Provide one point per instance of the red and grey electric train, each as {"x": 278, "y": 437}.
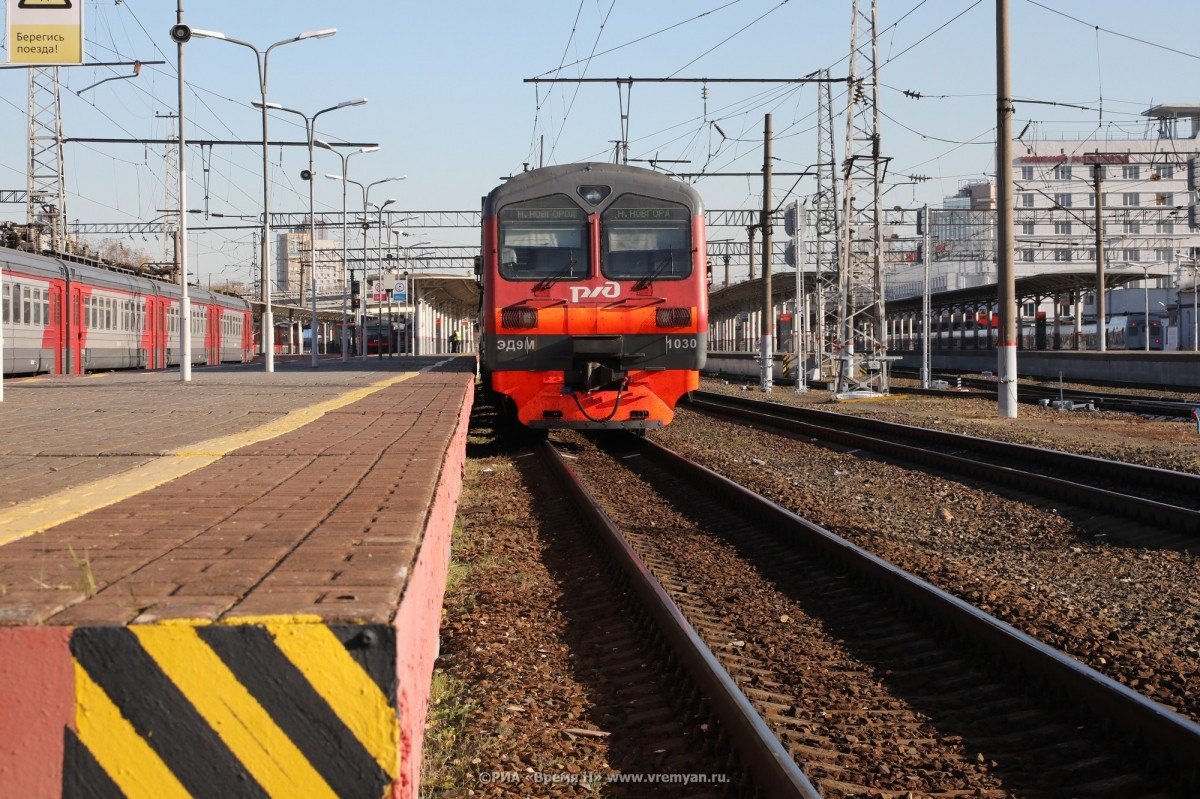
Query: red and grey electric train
{"x": 595, "y": 295}
{"x": 65, "y": 316}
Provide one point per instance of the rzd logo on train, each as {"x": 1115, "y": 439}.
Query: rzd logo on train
{"x": 609, "y": 291}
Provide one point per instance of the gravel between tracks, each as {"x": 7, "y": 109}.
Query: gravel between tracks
{"x": 1128, "y": 437}
{"x": 524, "y": 647}
{"x": 1131, "y": 613}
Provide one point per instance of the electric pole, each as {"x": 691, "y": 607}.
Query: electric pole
{"x": 767, "y": 323}
{"x": 1101, "y": 309}
{"x": 1006, "y": 368}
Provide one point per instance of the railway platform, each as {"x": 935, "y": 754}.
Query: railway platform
{"x": 227, "y": 588}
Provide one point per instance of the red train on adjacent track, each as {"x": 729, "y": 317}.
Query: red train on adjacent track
{"x": 68, "y": 315}
{"x": 595, "y": 295}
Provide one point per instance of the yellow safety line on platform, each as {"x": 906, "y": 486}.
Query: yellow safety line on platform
{"x": 232, "y": 712}
{"x": 121, "y": 752}
{"x": 29, "y": 518}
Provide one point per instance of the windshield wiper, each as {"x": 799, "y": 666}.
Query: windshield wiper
{"x": 548, "y": 281}
{"x": 645, "y": 282}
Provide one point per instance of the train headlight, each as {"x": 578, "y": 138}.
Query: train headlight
{"x": 593, "y": 195}
{"x": 518, "y": 318}
{"x": 673, "y": 317}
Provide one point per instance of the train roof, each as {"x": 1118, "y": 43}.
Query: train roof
{"x": 50, "y": 266}
{"x": 566, "y": 177}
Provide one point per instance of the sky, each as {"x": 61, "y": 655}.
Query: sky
{"x": 450, "y": 109}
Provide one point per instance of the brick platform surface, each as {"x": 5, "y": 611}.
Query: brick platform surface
{"x": 323, "y": 520}
{"x": 62, "y": 432}
{"x": 264, "y": 625}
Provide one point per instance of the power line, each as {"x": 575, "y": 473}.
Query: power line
{"x": 1113, "y": 32}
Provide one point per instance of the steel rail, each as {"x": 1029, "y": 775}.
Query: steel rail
{"x": 1105, "y": 401}
{"x": 772, "y": 768}
{"x": 1157, "y": 727}
{"x": 881, "y": 436}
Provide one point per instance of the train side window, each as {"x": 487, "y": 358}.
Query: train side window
{"x": 543, "y": 239}
{"x": 26, "y": 305}
{"x": 7, "y": 302}
{"x": 36, "y": 301}
{"x": 646, "y": 238}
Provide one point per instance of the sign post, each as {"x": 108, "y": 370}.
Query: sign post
{"x": 48, "y": 32}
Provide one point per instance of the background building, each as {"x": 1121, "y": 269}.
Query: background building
{"x": 292, "y": 251}
{"x": 1145, "y": 199}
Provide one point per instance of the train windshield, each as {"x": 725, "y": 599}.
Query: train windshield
{"x": 646, "y": 239}
{"x": 543, "y": 239}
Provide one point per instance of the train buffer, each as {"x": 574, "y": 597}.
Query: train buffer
{"x": 226, "y": 588}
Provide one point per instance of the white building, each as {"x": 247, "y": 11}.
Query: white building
{"x": 1143, "y": 190}
{"x": 292, "y": 252}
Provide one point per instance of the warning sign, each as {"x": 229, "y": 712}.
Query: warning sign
{"x": 45, "y": 31}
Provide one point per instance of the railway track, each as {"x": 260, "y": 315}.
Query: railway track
{"x": 1034, "y": 393}
{"x": 645, "y": 639}
{"x": 877, "y": 683}
{"x": 1164, "y": 504}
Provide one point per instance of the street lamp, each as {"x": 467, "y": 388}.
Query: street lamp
{"x": 1194, "y": 266}
{"x": 261, "y": 58}
{"x": 1146, "y": 295}
{"x": 366, "y": 193}
{"x": 310, "y": 126}
{"x": 410, "y": 288}
{"x": 345, "y": 240}
{"x": 379, "y": 267}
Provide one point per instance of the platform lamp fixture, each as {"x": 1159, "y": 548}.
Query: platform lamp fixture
{"x": 345, "y": 240}
{"x": 310, "y": 126}
{"x": 262, "y": 58}
{"x": 366, "y": 224}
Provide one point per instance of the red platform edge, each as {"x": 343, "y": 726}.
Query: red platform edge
{"x": 37, "y": 679}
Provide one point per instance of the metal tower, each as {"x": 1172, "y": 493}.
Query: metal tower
{"x": 825, "y": 217}
{"x": 170, "y": 220}
{"x": 47, "y": 203}
{"x": 861, "y": 343}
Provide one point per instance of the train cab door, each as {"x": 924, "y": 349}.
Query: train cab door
{"x": 55, "y": 336}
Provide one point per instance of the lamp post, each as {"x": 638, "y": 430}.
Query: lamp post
{"x": 185, "y": 300}
{"x": 1194, "y": 266}
{"x": 379, "y": 269}
{"x": 366, "y": 224}
{"x": 1146, "y": 297}
{"x": 262, "y": 58}
{"x": 412, "y": 292}
{"x": 345, "y": 239}
{"x": 310, "y": 126}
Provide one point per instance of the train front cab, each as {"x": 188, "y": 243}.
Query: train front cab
{"x": 595, "y": 318}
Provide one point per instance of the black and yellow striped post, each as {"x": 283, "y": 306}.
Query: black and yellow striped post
{"x": 272, "y": 707}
